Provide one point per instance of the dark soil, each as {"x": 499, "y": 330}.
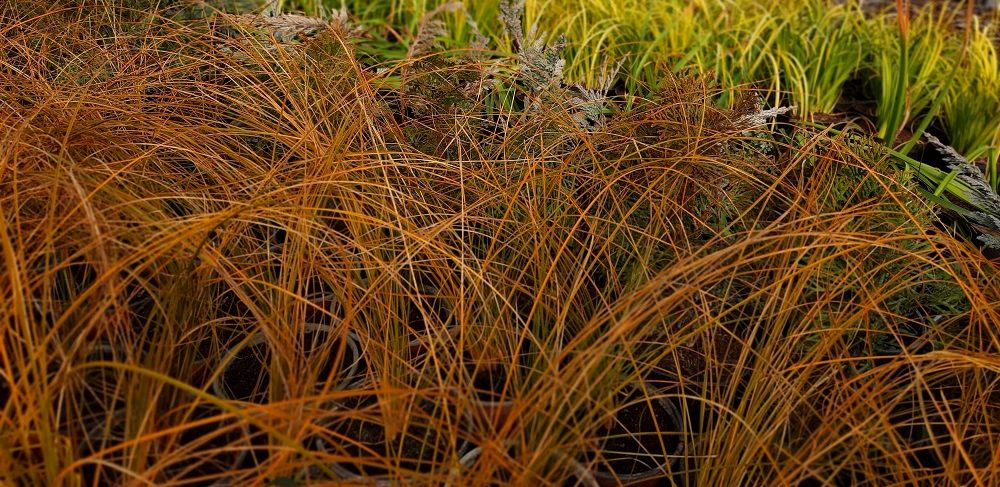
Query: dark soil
{"x": 351, "y": 362}
{"x": 208, "y": 452}
{"x": 489, "y": 384}
{"x": 429, "y": 304}
{"x": 640, "y": 439}
{"x": 210, "y": 446}
{"x": 493, "y": 381}
{"x": 4, "y": 392}
{"x": 246, "y": 378}
{"x": 418, "y": 449}
{"x": 101, "y": 390}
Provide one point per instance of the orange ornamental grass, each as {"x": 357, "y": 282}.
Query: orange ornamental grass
{"x": 227, "y": 261}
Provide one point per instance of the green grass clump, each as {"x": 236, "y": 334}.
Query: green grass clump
{"x": 971, "y": 109}
{"x": 806, "y": 51}
{"x": 819, "y": 48}
{"x": 183, "y": 199}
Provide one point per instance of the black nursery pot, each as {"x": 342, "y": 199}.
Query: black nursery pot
{"x": 495, "y": 387}
{"x": 215, "y": 451}
{"x": 491, "y": 404}
{"x": 247, "y": 377}
{"x": 577, "y": 475}
{"x": 103, "y": 391}
{"x": 420, "y": 331}
{"x": 641, "y": 443}
{"x": 419, "y": 449}
{"x": 207, "y": 455}
{"x": 102, "y": 435}
{"x": 97, "y": 422}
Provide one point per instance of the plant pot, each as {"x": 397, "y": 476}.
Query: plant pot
{"x": 496, "y": 384}
{"x": 641, "y": 442}
{"x": 419, "y": 449}
{"x": 102, "y": 437}
{"x": 352, "y": 367}
{"x": 247, "y": 377}
{"x": 420, "y": 332}
{"x": 494, "y": 391}
{"x": 580, "y": 476}
{"x": 715, "y": 351}
{"x": 491, "y": 404}
{"x": 103, "y": 387}
{"x": 213, "y": 451}
{"x": 417, "y": 330}
{"x": 206, "y": 456}
{"x": 99, "y": 397}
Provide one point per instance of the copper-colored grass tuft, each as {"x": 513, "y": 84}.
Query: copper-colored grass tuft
{"x": 176, "y": 203}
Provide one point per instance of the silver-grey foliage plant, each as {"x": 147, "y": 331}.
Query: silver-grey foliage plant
{"x": 981, "y": 195}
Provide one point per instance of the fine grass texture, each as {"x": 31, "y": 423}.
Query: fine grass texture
{"x": 455, "y": 269}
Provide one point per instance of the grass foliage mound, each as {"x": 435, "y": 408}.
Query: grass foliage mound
{"x": 229, "y": 260}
